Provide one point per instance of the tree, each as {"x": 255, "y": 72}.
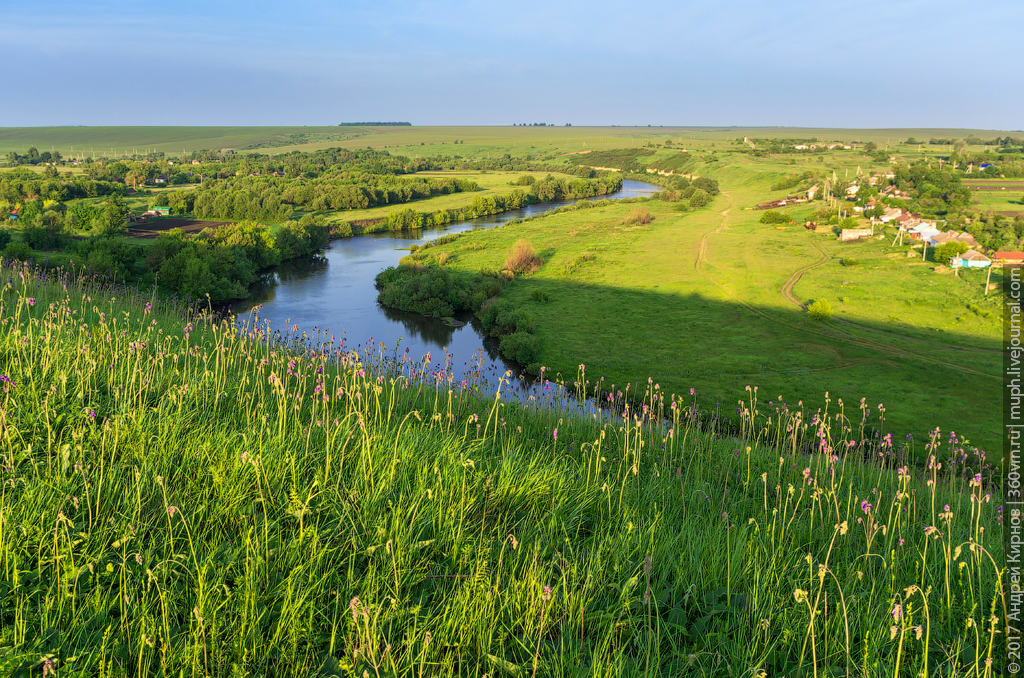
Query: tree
{"x": 114, "y": 216}
{"x": 948, "y": 250}
{"x": 870, "y": 147}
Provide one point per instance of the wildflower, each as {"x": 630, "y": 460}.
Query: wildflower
{"x": 893, "y": 630}
{"x": 31, "y": 301}
{"x": 865, "y": 506}
{"x": 546, "y": 594}
{"x": 555, "y": 434}
{"x": 897, "y": 612}
{"x": 171, "y": 510}
{"x": 918, "y": 630}
{"x": 902, "y": 541}
{"x": 800, "y": 595}
{"x": 354, "y": 606}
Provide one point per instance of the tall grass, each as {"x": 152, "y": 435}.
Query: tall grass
{"x": 181, "y": 496}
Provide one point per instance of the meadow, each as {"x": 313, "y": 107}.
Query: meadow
{"x": 180, "y": 497}
{"x": 473, "y": 140}
{"x": 714, "y": 300}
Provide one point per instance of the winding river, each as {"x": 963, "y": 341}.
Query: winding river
{"x": 334, "y": 295}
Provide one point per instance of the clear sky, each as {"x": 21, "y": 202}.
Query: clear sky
{"x": 895, "y": 63}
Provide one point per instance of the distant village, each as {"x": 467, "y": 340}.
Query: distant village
{"x": 927, "y": 232}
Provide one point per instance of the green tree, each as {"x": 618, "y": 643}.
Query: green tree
{"x": 114, "y": 216}
{"x": 948, "y": 250}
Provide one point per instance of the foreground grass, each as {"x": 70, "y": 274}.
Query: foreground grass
{"x": 179, "y": 498}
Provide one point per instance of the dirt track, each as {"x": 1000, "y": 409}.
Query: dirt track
{"x": 832, "y": 335}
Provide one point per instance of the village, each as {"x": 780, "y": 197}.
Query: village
{"x": 922, "y": 233}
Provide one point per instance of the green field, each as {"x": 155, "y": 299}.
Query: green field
{"x": 696, "y": 300}
{"x": 478, "y": 141}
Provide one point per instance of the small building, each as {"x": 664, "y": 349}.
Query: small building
{"x": 891, "y": 213}
{"x": 851, "y": 234}
{"x": 1008, "y": 258}
{"x": 162, "y": 211}
{"x": 970, "y": 259}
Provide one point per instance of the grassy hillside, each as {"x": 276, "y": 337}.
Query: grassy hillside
{"x": 179, "y": 498}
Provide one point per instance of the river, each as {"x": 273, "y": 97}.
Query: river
{"x": 334, "y": 296}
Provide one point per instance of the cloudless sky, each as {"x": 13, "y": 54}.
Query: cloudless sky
{"x": 865, "y": 63}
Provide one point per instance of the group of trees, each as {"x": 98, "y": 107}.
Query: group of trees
{"x": 696, "y": 193}
{"x": 274, "y": 198}
{"x": 33, "y": 157}
{"x": 223, "y": 263}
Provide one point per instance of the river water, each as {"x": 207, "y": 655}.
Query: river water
{"x": 334, "y": 296}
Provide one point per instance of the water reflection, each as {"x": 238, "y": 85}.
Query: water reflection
{"x": 334, "y": 294}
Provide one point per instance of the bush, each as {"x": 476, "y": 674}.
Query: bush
{"x": 847, "y": 261}
{"x": 541, "y": 296}
{"x": 774, "y": 217}
{"x": 522, "y": 258}
{"x": 699, "y": 199}
{"x": 520, "y": 347}
{"x": 706, "y": 184}
{"x": 18, "y": 250}
{"x": 5, "y": 237}
{"x": 820, "y": 310}
{"x": 638, "y": 215}
{"x": 43, "y": 237}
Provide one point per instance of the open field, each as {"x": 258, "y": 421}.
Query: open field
{"x": 153, "y": 228}
{"x": 182, "y": 499}
{"x": 697, "y": 300}
{"x": 427, "y": 140}
{"x": 491, "y": 183}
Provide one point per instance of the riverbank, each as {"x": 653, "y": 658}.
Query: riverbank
{"x": 694, "y": 300}
{"x": 274, "y": 512}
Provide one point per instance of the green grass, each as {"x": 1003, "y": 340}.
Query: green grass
{"x": 180, "y": 498}
{"x": 695, "y": 301}
{"x": 478, "y": 141}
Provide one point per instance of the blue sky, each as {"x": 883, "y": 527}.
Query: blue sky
{"x": 918, "y": 63}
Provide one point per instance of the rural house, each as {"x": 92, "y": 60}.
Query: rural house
{"x": 851, "y": 234}
{"x": 1008, "y": 258}
{"x": 970, "y": 259}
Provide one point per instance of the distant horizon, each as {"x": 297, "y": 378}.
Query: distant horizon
{"x": 706, "y": 127}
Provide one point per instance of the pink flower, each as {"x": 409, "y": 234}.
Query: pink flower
{"x": 171, "y": 510}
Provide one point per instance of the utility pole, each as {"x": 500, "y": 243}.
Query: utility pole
{"x": 924, "y": 252}
{"x": 988, "y": 278}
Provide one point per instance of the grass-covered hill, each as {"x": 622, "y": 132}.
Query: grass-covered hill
{"x": 181, "y": 498}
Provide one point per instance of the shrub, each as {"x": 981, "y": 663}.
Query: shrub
{"x": 708, "y": 185}
{"x": 5, "y": 237}
{"x": 18, "y": 250}
{"x": 847, "y": 261}
{"x": 522, "y": 258}
{"x": 774, "y": 217}
{"x": 638, "y": 215}
{"x": 700, "y": 198}
{"x": 520, "y": 347}
{"x": 43, "y": 237}
{"x": 541, "y": 296}
{"x": 820, "y": 310}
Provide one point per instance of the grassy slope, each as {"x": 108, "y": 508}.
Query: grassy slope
{"x": 650, "y": 304}
{"x": 185, "y": 501}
